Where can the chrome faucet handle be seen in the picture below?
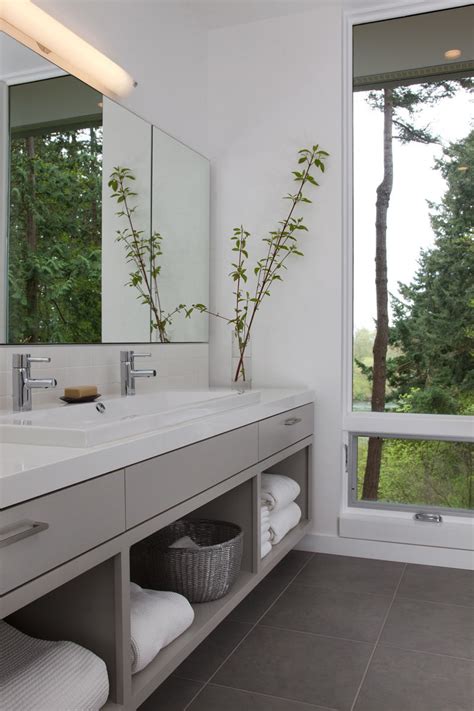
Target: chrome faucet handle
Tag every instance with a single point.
(39, 359)
(141, 355)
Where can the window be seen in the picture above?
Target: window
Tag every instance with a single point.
(413, 262)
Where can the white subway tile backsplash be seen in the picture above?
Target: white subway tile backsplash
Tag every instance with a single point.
(178, 365)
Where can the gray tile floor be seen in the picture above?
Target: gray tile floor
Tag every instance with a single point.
(325, 632)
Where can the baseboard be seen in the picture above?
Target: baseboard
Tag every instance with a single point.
(405, 553)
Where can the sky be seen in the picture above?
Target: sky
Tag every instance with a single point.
(415, 182)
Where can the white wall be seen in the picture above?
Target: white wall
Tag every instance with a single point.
(275, 87)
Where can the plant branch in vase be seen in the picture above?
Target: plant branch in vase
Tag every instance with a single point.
(280, 243)
(142, 252)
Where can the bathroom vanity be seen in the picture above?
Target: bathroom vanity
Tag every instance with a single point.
(71, 516)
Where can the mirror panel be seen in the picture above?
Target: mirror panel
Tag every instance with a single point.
(127, 143)
(180, 213)
(64, 275)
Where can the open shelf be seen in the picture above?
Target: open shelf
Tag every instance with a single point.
(286, 544)
(207, 616)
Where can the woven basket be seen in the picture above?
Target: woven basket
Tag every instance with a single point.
(202, 574)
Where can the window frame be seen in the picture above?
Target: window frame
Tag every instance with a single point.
(365, 424)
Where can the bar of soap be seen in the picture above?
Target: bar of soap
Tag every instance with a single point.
(79, 391)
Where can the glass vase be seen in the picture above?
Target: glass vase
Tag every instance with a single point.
(241, 373)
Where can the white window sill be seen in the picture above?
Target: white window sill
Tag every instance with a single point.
(403, 529)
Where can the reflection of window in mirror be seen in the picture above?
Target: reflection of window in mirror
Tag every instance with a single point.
(54, 245)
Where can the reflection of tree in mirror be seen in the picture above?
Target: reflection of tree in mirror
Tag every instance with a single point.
(142, 251)
(54, 251)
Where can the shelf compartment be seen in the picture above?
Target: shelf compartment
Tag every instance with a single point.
(207, 616)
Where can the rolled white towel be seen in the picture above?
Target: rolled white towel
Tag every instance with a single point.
(265, 536)
(264, 512)
(40, 675)
(157, 618)
(265, 549)
(281, 522)
(277, 491)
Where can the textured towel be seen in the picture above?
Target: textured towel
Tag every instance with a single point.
(281, 522)
(265, 549)
(265, 536)
(184, 542)
(277, 491)
(156, 618)
(39, 675)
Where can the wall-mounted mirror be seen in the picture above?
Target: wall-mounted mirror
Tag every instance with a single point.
(65, 277)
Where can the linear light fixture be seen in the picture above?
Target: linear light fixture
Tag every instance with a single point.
(32, 26)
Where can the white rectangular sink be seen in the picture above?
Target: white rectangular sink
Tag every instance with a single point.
(90, 424)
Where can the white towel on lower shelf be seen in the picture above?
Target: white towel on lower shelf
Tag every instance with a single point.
(265, 536)
(277, 491)
(156, 618)
(281, 522)
(40, 675)
(265, 549)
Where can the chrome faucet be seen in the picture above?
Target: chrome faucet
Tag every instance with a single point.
(128, 372)
(23, 383)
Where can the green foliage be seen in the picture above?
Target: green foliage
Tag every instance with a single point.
(423, 472)
(54, 261)
(142, 252)
(280, 244)
(433, 324)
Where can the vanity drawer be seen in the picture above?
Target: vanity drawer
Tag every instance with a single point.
(165, 481)
(50, 530)
(280, 431)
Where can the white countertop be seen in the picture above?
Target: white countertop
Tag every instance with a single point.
(27, 471)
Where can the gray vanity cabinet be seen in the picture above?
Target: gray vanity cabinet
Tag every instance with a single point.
(65, 557)
(45, 532)
(162, 482)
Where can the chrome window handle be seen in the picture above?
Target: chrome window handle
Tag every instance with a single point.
(8, 535)
(292, 421)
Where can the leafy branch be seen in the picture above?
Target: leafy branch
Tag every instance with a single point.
(281, 244)
(142, 252)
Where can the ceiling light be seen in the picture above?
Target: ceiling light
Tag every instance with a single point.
(452, 54)
(42, 33)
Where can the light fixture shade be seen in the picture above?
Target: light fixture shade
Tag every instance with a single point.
(61, 45)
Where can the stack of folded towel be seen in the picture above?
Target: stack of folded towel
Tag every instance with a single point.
(157, 618)
(279, 513)
(40, 675)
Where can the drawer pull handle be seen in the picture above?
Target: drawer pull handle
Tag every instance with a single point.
(31, 528)
(292, 421)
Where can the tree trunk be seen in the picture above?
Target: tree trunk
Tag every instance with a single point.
(31, 241)
(379, 372)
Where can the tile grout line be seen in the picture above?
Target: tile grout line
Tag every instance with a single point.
(423, 651)
(247, 634)
(279, 698)
(359, 688)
